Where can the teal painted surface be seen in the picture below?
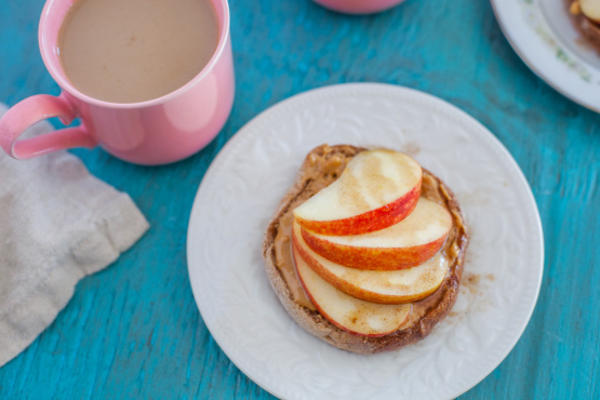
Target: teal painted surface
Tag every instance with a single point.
(133, 330)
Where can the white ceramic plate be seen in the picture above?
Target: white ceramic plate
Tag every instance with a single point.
(244, 185)
(542, 34)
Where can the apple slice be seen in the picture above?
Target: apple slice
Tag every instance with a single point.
(376, 189)
(346, 312)
(403, 245)
(384, 287)
(591, 9)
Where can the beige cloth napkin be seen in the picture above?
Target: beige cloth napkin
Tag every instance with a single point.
(58, 224)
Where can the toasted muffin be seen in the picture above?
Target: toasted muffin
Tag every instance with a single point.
(588, 27)
(321, 167)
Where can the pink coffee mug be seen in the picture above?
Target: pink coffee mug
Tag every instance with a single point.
(358, 6)
(157, 131)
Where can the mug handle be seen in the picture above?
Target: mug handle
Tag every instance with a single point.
(36, 108)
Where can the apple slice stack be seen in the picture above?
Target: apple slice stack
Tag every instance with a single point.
(367, 246)
(589, 8)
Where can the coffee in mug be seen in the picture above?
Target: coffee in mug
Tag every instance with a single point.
(126, 51)
(151, 81)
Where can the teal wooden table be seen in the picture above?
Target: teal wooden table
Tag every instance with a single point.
(133, 330)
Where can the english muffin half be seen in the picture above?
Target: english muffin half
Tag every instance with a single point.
(321, 167)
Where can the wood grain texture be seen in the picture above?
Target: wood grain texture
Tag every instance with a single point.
(133, 330)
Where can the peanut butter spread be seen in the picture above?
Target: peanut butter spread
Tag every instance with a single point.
(321, 169)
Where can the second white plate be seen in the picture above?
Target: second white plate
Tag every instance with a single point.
(542, 34)
(241, 191)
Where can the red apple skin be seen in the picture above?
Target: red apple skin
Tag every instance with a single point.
(370, 221)
(324, 314)
(353, 290)
(373, 258)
